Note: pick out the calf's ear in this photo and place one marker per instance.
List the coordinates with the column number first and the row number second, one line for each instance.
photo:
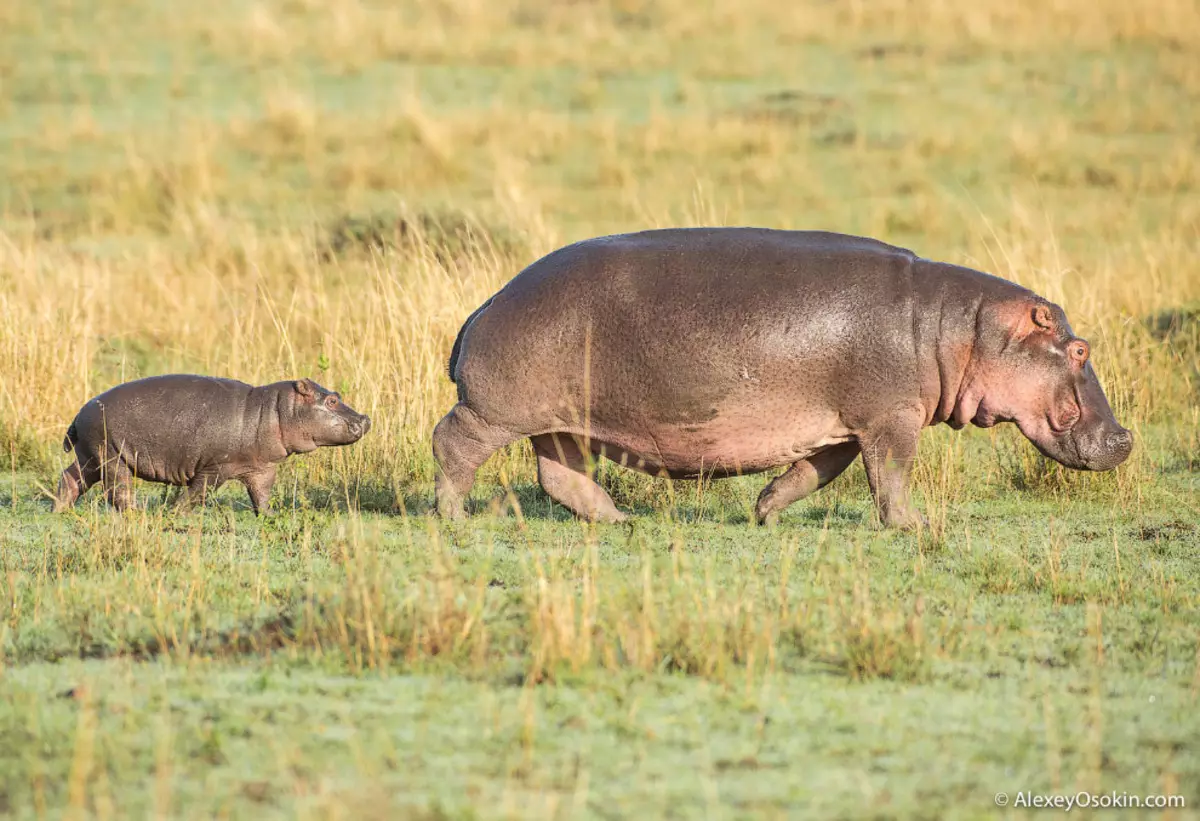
column 304, row 388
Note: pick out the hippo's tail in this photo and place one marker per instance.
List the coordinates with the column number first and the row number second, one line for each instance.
column 70, row 439
column 454, row 352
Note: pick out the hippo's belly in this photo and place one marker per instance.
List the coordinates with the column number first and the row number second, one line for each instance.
column 726, row 446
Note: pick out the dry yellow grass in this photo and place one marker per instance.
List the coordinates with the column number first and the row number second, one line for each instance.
column 174, row 220
column 221, row 297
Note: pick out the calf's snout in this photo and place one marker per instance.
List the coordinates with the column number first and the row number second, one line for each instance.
column 360, row 426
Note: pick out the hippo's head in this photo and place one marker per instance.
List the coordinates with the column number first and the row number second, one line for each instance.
column 319, row 418
column 1030, row 368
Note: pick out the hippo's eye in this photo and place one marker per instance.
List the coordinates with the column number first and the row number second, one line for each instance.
column 331, row 401
column 1079, row 351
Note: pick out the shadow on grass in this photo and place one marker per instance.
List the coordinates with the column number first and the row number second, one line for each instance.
column 274, row 633
column 536, row 505
column 384, row 499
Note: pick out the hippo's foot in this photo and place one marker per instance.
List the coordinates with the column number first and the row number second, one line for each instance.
column 563, row 473
column 614, row 518
column 120, row 496
column 908, row 518
column 258, row 487
column 448, row 505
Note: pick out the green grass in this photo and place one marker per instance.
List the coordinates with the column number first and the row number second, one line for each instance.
column 331, row 664
column 293, row 188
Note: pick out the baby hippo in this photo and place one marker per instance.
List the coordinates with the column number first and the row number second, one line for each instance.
column 200, row 432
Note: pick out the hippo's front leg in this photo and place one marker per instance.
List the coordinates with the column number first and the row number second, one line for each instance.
column 889, row 447
column 258, row 485
column 118, row 484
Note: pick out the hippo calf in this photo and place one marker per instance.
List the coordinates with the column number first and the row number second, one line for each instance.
column 200, row 432
column 720, row 351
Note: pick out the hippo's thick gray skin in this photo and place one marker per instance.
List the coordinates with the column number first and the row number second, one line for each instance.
column 737, row 350
column 199, row 432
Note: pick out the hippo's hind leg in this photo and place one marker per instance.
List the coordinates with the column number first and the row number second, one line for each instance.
column 73, row 483
column 563, row 473
column 462, row 441
column 802, row 478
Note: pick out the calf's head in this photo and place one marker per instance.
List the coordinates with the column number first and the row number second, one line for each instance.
column 1030, row 368
column 319, row 418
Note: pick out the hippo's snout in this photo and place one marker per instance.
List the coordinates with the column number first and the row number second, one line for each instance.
column 1115, row 450
column 1103, row 449
column 1097, row 447
column 1120, row 442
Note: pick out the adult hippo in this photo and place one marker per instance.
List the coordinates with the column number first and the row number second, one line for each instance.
column 721, row 351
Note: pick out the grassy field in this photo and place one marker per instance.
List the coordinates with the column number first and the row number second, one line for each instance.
column 327, row 188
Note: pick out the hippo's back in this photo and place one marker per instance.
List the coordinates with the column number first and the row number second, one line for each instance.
column 162, row 408
column 673, row 325
column 676, row 289
column 666, row 273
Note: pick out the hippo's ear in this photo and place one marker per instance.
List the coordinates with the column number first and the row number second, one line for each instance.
column 304, row 387
column 1025, row 319
column 1042, row 317
column 1022, row 320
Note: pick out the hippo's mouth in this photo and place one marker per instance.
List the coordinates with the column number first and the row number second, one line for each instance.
column 1061, row 447
column 1082, row 447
